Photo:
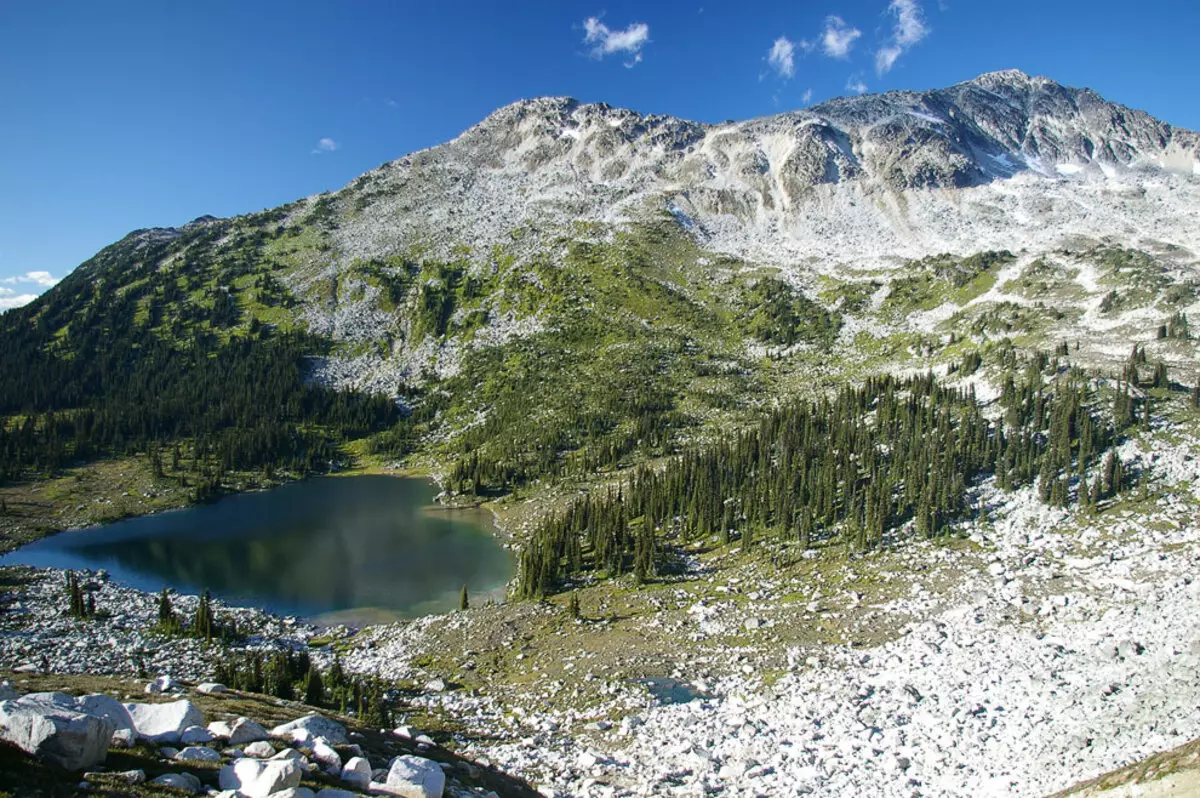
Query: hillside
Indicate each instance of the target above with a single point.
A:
(813, 403)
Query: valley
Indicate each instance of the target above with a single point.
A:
(874, 426)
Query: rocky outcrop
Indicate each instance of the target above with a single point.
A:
(51, 729)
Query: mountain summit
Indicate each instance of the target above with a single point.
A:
(855, 176)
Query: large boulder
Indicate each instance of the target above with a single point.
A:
(316, 726)
(105, 706)
(62, 735)
(164, 723)
(240, 732)
(415, 777)
(255, 779)
(8, 692)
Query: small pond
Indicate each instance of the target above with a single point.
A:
(336, 548)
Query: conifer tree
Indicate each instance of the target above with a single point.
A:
(464, 602)
(314, 688)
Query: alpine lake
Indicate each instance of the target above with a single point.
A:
(353, 549)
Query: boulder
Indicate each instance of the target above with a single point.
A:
(240, 732)
(255, 779)
(8, 692)
(329, 760)
(164, 723)
(259, 750)
(316, 726)
(294, 792)
(180, 781)
(193, 735)
(357, 773)
(163, 684)
(123, 738)
(212, 688)
(64, 736)
(105, 706)
(198, 753)
(415, 777)
(333, 792)
(57, 699)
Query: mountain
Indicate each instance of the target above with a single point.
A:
(641, 272)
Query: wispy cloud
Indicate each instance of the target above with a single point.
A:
(325, 145)
(838, 38)
(855, 84)
(909, 29)
(782, 57)
(43, 279)
(606, 41)
(10, 299)
(806, 98)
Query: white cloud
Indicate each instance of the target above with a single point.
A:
(325, 145)
(909, 29)
(782, 57)
(43, 279)
(838, 38)
(606, 41)
(806, 98)
(19, 300)
(854, 83)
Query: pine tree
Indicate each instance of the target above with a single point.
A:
(464, 603)
(573, 605)
(314, 688)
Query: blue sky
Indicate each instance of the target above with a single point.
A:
(126, 114)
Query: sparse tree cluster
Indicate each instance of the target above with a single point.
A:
(893, 454)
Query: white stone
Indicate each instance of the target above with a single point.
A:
(105, 706)
(193, 735)
(316, 726)
(198, 753)
(294, 792)
(259, 750)
(240, 732)
(45, 729)
(329, 759)
(212, 688)
(163, 684)
(164, 723)
(255, 779)
(415, 777)
(182, 781)
(357, 772)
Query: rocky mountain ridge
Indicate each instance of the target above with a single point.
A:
(857, 175)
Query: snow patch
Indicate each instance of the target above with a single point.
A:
(1068, 168)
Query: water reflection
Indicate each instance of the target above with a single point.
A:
(313, 547)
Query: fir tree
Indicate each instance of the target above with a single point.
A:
(464, 602)
(314, 688)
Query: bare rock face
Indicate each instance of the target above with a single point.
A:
(44, 728)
